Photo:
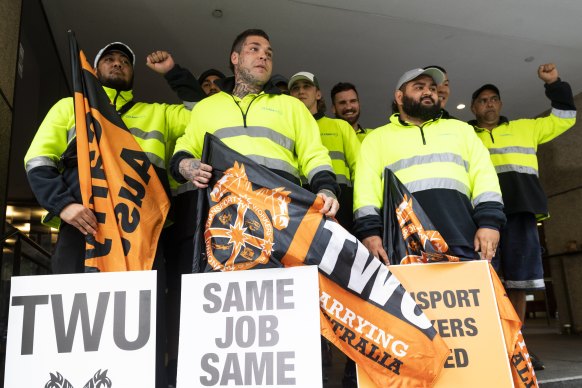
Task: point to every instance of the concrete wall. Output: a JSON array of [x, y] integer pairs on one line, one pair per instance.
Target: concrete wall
[[9, 29], [561, 176], [41, 84], [567, 281]]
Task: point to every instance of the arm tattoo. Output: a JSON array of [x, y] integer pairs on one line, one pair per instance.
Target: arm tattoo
[[189, 168], [328, 193]]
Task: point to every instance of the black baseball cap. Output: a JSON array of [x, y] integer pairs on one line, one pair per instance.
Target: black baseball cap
[[208, 73], [477, 92], [278, 78]]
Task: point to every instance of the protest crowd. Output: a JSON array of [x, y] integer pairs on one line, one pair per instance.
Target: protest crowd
[[476, 181]]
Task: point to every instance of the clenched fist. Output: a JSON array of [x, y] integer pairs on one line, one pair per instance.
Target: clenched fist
[[548, 73]]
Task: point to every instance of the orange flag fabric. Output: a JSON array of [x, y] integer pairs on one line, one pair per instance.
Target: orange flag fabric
[[413, 240], [521, 367], [257, 219], [118, 182]]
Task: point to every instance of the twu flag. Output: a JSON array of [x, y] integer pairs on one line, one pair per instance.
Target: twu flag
[[257, 219], [410, 237], [118, 181]]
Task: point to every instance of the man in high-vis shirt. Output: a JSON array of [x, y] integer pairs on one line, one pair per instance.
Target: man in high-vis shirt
[[440, 161], [443, 92], [513, 146], [346, 106], [251, 116], [336, 135], [208, 81], [344, 146], [52, 171]]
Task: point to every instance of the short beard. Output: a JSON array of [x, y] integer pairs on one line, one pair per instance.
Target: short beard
[[116, 83], [419, 111], [352, 120]]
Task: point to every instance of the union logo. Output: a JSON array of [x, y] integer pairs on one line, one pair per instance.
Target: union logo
[[248, 240], [99, 380], [420, 241]]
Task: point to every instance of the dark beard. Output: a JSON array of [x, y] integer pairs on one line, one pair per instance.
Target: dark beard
[[116, 83], [352, 120], [417, 110]]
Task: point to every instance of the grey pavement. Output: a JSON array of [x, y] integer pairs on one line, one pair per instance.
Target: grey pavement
[[560, 353]]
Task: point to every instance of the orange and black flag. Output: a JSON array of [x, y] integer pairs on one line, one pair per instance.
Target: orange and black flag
[[410, 237], [522, 370], [257, 219], [118, 181]]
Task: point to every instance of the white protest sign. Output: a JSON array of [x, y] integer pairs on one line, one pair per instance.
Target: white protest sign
[[250, 329], [96, 330]]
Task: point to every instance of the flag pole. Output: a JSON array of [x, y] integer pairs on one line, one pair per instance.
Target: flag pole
[[75, 65], [199, 258]]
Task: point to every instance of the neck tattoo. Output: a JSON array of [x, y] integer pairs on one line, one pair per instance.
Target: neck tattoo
[[241, 89]]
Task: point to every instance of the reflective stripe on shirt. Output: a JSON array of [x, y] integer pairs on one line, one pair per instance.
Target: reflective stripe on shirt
[[516, 168], [438, 183], [366, 211], [40, 161], [157, 135], [564, 114], [255, 131], [446, 157], [512, 150], [488, 196]]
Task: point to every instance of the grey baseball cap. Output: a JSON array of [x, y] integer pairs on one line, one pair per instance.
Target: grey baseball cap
[[303, 75], [437, 75]]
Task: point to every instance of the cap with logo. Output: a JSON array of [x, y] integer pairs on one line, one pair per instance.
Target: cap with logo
[[437, 75], [115, 46], [303, 75]]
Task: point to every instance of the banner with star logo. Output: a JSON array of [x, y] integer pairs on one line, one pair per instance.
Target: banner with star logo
[[256, 219]]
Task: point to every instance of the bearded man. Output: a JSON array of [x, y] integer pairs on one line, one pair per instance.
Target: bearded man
[[251, 116], [52, 171], [346, 106], [440, 161]]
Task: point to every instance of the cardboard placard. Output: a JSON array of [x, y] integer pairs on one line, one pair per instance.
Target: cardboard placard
[[250, 328], [460, 301], [81, 329]]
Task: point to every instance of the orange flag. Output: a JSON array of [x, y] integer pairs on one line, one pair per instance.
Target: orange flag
[[118, 182], [257, 219], [521, 368], [412, 239]]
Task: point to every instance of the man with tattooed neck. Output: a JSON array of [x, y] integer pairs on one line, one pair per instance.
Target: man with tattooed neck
[[253, 117]]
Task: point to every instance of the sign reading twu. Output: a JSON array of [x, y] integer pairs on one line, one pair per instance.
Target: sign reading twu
[[91, 329], [64, 328]]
